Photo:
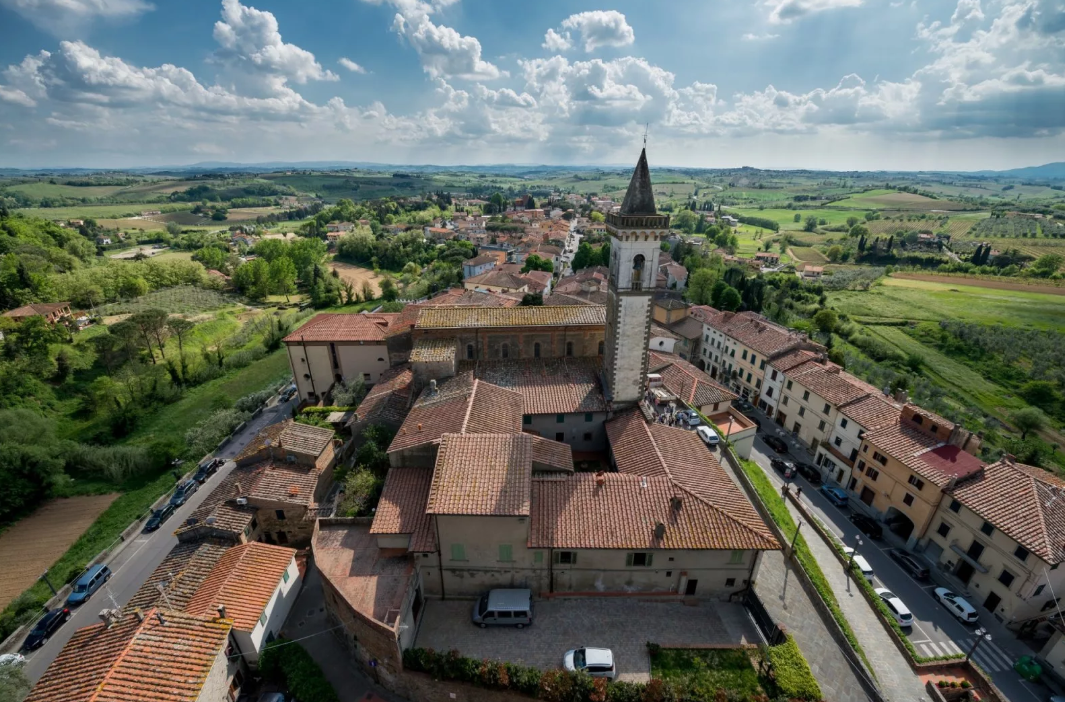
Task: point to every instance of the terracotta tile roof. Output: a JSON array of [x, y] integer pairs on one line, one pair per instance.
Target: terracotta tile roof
[[453, 297], [402, 507], [434, 351], [221, 508], [686, 381], [872, 412], [37, 308], [550, 456], [659, 330], [679, 457], [1024, 502], [243, 581], [792, 359], [705, 314], [372, 580], [547, 385], [268, 436], [304, 438], [623, 512], [459, 405], [480, 260], [497, 278], [290, 483], [482, 474], [476, 317], [689, 328], [830, 382], [161, 661], [756, 332], [339, 327], [556, 299], [388, 400], [181, 573], [918, 452]]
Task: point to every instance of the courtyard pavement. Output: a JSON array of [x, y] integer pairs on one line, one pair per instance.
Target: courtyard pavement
[[621, 624]]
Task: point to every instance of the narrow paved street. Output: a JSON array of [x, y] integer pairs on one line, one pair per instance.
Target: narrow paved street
[[132, 566]]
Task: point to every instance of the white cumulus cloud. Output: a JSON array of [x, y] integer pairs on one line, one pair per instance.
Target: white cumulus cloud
[[350, 65], [596, 28], [784, 11], [62, 17], [749, 36]]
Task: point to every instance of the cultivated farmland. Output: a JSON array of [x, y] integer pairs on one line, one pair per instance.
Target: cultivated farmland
[[182, 299], [33, 544], [356, 275], [893, 200]]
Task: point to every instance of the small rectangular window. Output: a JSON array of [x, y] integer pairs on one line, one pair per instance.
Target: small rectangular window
[[758, 383], [640, 559], [880, 458], [560, 418], [773, 375], [761, 366], [784, 400], [280, 513], [754, 359], [986, 528], [828, 408], [943, 529], [285, 577], [730, 582], [908, 500], [587, 436], [802, 411], [735, 557], [821, 425], [1020, 553], [565, 557], [458, 552], [1006, 578], [789, 385], [955, 506], [745, 354], [526, 419], [843, 423], [805, 395], [538, 556], [873, 473], [837, 441], [506, 553], [587, 416], [1038, 590], [916, 482]]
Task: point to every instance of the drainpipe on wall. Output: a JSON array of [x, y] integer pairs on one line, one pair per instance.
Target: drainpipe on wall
[[440, 559], [551, 570], [307, 359]]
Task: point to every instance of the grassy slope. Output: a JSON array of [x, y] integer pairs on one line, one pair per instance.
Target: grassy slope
[[708, 670], [96, 211], [786, 218]]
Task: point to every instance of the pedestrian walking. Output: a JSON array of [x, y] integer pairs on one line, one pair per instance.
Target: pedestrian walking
[[798, 492]]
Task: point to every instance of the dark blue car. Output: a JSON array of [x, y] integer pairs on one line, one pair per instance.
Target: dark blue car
[[44, 629], [89, 582], [835, 495]]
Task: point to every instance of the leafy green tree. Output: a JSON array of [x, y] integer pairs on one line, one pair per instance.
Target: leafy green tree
[[283, 276], [700, 286], [810, 224], [1041, 393], [151, 324], [797, 217], [252, 279], [826, 320], [181, 329], [1028, 419], [367, 290], [685, 220], [834, 253], [388, 290], [597, 216], [1047, 265], [537, 263], [584, 256], [851, 221], [730, 300]]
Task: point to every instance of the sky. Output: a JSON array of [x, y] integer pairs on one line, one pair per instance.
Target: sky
[[825, 84]]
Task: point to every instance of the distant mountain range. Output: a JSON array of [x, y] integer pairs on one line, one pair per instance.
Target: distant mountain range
[[1049, 171]]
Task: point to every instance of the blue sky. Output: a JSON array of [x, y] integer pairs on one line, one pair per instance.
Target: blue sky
[[834, 84]]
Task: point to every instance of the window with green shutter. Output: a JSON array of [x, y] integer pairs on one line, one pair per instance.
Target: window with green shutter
[[284, 577], [538, 556], [736, 557], [638, 559], [560, 418], [458, 552], [587, 416], [506, 553]]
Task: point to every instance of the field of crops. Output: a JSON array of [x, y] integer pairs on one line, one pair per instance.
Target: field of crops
[[786, 218], [46, 189], [145, 225], [186, 219], [183, 299], [892, 200], [1005, 227], [807, 254], [96, 212], [244, 214]]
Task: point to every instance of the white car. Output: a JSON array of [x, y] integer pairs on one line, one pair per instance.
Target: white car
[[896, 606], [689, 418], [708, 435], [957, 606], [15, 659], [597, 662]]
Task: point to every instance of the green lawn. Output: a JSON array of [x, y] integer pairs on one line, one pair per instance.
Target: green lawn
[[46, 189], [706, 671], [915, 300], [97, 211], [786, 218]]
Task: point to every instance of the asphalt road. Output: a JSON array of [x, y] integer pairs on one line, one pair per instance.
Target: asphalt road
[[140, 558], [935, 631]]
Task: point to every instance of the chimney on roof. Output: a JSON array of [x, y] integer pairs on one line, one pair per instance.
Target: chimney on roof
[[901, 395], [159, 616], [643, 481], [107, 616], [600, 478], [660, 530], [419, 426], [221, 611], [138, 614], [1009, 458], [675, 502], [237, 489]]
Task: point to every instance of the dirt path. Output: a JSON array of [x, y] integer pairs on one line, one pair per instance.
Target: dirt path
[[982, 283]]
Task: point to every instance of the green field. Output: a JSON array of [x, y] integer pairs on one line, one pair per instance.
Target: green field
[[893, 200], [46, 189], [915, 300], [786, 218], [184, 299], [96, 211], [808, 254]]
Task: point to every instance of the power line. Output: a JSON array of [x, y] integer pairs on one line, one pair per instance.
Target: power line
[[292, 641]]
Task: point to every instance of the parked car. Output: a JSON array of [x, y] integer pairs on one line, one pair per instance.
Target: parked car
[[835, 495], [812, 475], [909, 563], [159, 516], [776, 443], [957, 606], [504, 607], [90, 581], [898, 609], [867, 526], [16, 659], [46, 626], [786, 468], [708, 435], [183, 492], [688, 417], [864, 567], [743, 405], [597, 662], [208, 469], [288, 393], [757, 422]]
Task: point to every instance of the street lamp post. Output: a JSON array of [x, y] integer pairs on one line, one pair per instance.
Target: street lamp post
[[44, 577], [854, 551], [981, 635]]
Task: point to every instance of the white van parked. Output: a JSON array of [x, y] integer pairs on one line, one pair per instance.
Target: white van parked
[[863, 565], [504, 608], [708, 435]]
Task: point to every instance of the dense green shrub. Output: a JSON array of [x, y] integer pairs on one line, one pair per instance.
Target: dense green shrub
[[289, 664], [792, 672]]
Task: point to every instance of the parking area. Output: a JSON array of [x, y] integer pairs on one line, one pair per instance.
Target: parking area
[[621, 624]]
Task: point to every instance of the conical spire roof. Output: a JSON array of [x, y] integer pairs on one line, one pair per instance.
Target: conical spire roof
[[640, 198]]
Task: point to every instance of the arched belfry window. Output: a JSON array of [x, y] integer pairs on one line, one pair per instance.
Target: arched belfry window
[[637, 272]]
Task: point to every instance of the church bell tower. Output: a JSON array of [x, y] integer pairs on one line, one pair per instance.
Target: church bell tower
[[636, 233]]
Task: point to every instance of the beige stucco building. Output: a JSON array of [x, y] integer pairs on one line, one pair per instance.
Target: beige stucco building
[[335, 347]]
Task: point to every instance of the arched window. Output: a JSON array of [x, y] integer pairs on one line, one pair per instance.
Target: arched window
[[602, 348], [536, 350], [469, 351], [569, 348], [637, 272], [505, 351]]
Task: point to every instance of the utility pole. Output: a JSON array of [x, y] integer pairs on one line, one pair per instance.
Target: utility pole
[[44, 577], [981, 635]]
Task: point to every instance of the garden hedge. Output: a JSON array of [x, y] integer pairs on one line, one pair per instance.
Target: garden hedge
[[288, 664], [792, 673]]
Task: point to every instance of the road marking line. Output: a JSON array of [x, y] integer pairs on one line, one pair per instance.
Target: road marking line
[[920, 642], [994, 651], [935, 648], [953, 647], [987, 662]]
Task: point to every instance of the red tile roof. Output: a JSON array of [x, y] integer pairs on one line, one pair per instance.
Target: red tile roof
[[792, 359], [372, 580], [482, 474], [1021, 501], [164, 660], [243, 581], [181, 573], [756, 332], [829, 381], [402, 508], [497, 278], [913, 449], [339, 327], [872, 412], [477, 317], [547, 385], [388, 400], [686, 381]]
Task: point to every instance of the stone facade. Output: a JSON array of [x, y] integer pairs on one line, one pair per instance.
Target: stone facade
[[583, 431], [521, 342]]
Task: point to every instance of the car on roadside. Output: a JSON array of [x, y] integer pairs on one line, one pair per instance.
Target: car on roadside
[[88, 583], [288, 393], [899, 611], [597, 662], [13, 659], [45, 627], [743, 405], [688, 418], [836, 495], [867, 526], [756, 422], [785, 468], [956, 605], [159, 516], [208, 469], [909, 563], [776, 443], [183, 492], [708, 435], [812, 475]]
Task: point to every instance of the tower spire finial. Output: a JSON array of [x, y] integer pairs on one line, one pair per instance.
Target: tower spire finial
[[646, 126]]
